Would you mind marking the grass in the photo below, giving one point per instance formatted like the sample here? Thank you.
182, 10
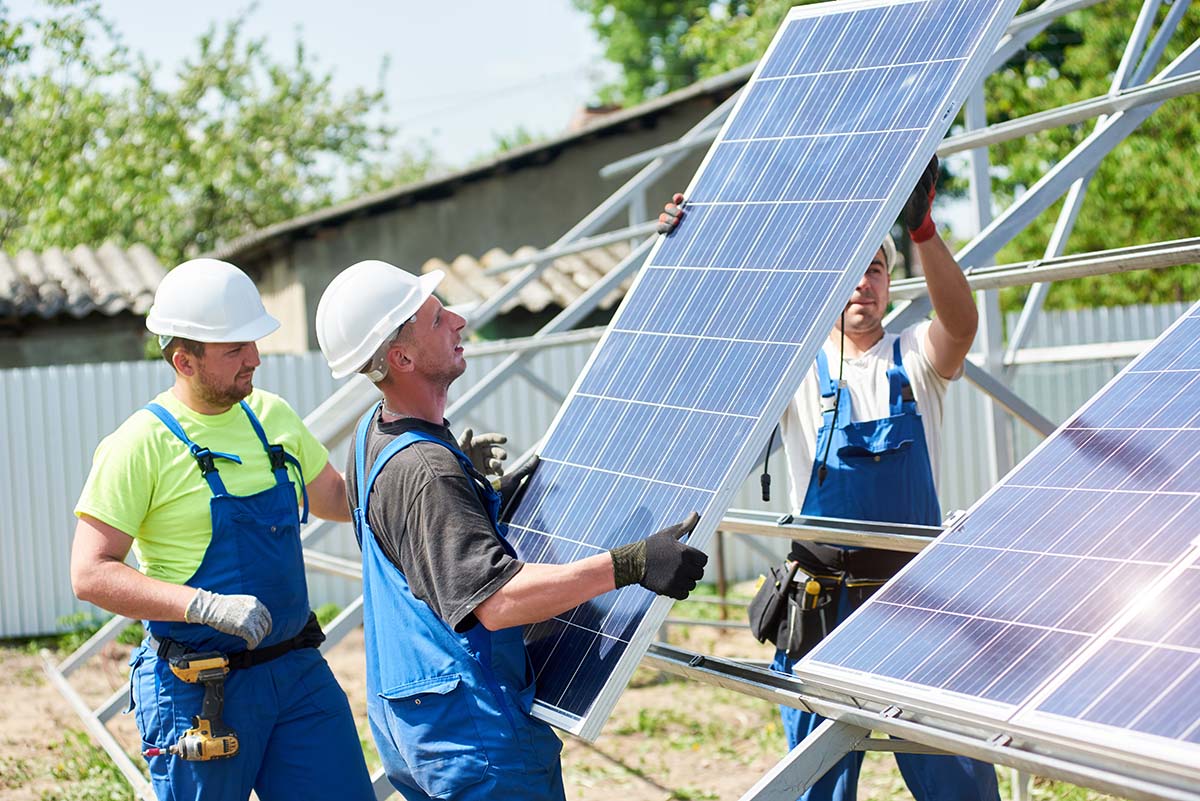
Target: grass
89, 773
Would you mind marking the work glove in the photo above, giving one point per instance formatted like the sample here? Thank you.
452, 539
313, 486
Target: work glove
484, 451
661, 563
512, 486
671, 215
917, 216
240, 615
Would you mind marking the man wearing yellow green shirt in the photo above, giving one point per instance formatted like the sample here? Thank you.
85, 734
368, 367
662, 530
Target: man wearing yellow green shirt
206, 484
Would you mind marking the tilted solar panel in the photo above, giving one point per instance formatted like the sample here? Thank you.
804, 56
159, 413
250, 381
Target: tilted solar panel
1066, 604
792, 200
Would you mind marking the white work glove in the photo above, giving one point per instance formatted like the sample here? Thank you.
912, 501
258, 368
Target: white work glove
240, 615
484, 451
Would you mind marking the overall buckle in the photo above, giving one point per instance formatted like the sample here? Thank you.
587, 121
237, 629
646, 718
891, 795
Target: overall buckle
277, 457
204, 459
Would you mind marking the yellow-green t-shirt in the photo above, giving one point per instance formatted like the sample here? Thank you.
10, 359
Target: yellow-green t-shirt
146, 483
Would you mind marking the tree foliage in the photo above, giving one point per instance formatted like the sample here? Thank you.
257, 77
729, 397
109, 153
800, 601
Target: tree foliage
1144, 191
100, 145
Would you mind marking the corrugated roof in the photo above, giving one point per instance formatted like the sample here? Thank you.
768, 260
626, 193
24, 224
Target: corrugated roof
467, 282
109, 280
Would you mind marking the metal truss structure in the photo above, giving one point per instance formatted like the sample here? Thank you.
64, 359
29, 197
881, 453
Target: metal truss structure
1139, 88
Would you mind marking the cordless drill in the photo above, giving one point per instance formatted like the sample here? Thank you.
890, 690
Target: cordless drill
209, 737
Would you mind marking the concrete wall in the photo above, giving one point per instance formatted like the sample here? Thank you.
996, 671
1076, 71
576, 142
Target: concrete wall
530, 204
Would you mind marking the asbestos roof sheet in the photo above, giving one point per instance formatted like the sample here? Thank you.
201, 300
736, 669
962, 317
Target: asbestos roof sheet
467, 282
108, 280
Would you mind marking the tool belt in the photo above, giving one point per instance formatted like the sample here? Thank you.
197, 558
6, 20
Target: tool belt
796, 605
310, 636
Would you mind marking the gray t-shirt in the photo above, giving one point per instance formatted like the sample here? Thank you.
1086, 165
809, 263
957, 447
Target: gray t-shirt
430, 522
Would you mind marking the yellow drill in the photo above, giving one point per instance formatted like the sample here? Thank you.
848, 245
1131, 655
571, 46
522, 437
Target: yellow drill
209, 737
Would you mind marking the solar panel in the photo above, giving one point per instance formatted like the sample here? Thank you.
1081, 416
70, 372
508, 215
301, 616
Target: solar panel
1066, 604
788, 207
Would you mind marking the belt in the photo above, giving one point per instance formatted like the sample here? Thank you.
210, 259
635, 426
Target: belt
858, 563
310, 636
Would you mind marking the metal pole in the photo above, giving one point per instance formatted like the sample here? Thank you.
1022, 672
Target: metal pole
1074, 202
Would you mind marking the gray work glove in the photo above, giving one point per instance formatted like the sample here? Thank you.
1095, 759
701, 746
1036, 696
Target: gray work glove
661, 563
671, 215
513, 484
484, 451
917, 217
240, 615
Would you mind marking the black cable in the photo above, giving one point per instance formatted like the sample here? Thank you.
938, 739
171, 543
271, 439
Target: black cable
823, 471
765, 479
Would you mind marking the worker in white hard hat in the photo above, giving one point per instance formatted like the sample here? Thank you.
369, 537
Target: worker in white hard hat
208, 484
862, 436
445, 597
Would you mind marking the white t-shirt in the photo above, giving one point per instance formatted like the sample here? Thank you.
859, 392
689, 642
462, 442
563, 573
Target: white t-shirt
867, 381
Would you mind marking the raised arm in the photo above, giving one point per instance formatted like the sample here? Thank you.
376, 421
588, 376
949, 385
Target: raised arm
952, 331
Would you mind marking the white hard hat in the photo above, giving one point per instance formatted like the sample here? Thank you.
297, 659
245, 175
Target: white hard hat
207, 300
361, 308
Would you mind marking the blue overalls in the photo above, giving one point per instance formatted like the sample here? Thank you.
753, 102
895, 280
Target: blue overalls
296, 734
449, 712
878, 470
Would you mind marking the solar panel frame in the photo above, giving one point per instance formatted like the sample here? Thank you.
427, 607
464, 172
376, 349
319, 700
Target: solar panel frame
1138, 753
914, 160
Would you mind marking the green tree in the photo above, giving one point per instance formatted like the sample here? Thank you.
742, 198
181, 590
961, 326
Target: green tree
97, 147
1143, 192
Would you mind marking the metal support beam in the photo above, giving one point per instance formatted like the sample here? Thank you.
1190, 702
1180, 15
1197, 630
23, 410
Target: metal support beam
638, 227
835, 531
1081, 111
592, 222
1028, 25
538, 383
1154, 53
563, 321
808, 762
1130, 780
1074, 202
96, 729
1011, 401
1079, 162
990, 339
103, 636
1157, 256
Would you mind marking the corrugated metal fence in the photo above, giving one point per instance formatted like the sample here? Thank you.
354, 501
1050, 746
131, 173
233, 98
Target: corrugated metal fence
54, 417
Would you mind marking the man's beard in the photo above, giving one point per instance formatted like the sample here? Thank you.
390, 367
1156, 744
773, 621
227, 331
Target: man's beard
216, 395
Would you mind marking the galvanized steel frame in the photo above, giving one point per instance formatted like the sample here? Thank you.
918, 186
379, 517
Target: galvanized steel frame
1132, 100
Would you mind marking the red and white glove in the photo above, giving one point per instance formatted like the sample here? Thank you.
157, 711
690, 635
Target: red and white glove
917, 210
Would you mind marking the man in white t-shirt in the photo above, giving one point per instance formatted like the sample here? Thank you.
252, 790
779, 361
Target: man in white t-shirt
863, 437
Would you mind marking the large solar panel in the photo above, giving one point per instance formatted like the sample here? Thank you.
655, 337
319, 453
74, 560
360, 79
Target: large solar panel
1066, 604
809, 172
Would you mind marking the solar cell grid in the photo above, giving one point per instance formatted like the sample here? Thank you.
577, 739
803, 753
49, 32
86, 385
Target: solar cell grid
1068, 599
794, 196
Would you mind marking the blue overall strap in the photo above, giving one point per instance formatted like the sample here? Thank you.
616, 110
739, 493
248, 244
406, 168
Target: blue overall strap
478, 636
897, 382
280, 459
360, 469
204, 457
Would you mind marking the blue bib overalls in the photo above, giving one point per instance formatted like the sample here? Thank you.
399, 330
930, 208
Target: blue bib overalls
878, 470
449, 711
296, 735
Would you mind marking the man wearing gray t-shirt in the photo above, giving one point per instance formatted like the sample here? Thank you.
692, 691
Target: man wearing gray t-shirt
445, 598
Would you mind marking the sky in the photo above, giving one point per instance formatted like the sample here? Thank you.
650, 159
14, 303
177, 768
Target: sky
459, 72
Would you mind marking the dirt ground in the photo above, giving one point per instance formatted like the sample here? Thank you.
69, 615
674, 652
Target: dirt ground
668, 738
